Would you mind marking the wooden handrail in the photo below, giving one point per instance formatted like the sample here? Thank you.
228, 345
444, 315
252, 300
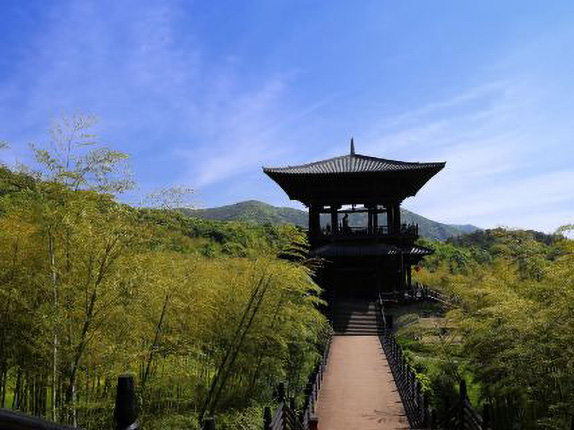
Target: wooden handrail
462, 416
125, 413
415, 402
285, 416
19, 421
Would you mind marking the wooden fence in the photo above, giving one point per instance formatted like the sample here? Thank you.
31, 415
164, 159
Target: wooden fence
285, 416
125, 412
418, 292
415, 402
461, 415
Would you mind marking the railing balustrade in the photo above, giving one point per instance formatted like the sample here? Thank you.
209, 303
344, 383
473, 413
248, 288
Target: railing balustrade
125, 412
350, 232
418, 292
461, 416
285, 416
415, 402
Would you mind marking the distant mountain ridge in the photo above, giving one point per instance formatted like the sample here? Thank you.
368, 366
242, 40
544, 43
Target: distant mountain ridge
262, 213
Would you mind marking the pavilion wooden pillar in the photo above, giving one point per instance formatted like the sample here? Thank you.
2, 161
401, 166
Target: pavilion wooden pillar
402, 280
396, 217
370, 220
334, 218
390, 218
314, 221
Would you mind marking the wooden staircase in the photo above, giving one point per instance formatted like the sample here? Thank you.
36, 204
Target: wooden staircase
355, 317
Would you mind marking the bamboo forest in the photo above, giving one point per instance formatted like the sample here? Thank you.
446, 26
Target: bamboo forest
211, 317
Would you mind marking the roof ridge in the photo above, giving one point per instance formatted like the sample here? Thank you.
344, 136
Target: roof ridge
351, 163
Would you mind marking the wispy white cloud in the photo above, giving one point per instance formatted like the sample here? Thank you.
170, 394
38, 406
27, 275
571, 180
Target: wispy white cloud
130, 63
199, 117
507, 146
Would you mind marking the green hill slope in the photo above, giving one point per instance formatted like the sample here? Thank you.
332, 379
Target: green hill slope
262, 213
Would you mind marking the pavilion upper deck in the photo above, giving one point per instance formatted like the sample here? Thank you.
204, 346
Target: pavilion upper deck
410, 231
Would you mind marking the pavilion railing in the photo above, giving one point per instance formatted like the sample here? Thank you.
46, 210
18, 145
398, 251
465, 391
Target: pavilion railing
460, 416
355, 232
415, 401
125, 413
285, 416
418, 292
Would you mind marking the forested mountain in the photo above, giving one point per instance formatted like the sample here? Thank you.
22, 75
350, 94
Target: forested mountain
262, 213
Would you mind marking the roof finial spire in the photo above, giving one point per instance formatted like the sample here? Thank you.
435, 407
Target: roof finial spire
352, 146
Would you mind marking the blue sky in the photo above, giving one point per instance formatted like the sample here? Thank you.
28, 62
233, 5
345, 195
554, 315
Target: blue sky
204, 93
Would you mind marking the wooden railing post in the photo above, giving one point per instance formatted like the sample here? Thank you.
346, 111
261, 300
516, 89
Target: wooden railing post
126, 410
486, 416
462, 399
389, 321
281, 392
427, 414
314, 423
209, 424
267, 418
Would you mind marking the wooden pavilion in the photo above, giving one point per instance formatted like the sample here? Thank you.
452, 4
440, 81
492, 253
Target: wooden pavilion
355, 220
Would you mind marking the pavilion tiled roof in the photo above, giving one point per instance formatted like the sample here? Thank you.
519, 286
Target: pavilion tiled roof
353, 178
352, 163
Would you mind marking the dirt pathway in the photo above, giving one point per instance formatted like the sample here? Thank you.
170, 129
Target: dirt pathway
358, 390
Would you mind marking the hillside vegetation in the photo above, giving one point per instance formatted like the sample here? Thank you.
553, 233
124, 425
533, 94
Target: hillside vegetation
256, 212
510, 332
203, 313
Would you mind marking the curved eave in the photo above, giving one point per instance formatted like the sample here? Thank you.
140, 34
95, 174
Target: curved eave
304, 186
354, 164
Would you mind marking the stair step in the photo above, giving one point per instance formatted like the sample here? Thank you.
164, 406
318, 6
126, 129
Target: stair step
355, 316
359, 306
358, 333
355, 323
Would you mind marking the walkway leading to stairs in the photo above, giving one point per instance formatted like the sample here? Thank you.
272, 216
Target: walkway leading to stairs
358, 390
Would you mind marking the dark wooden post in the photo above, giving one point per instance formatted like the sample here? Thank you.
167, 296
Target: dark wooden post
334, 219
397, 217
462, 390
314, 221
267, 418
370, 229
427, 413
314, 423
281, 392
209, 424
126, 410
389, 321
390, 218
462, 399
486, 417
